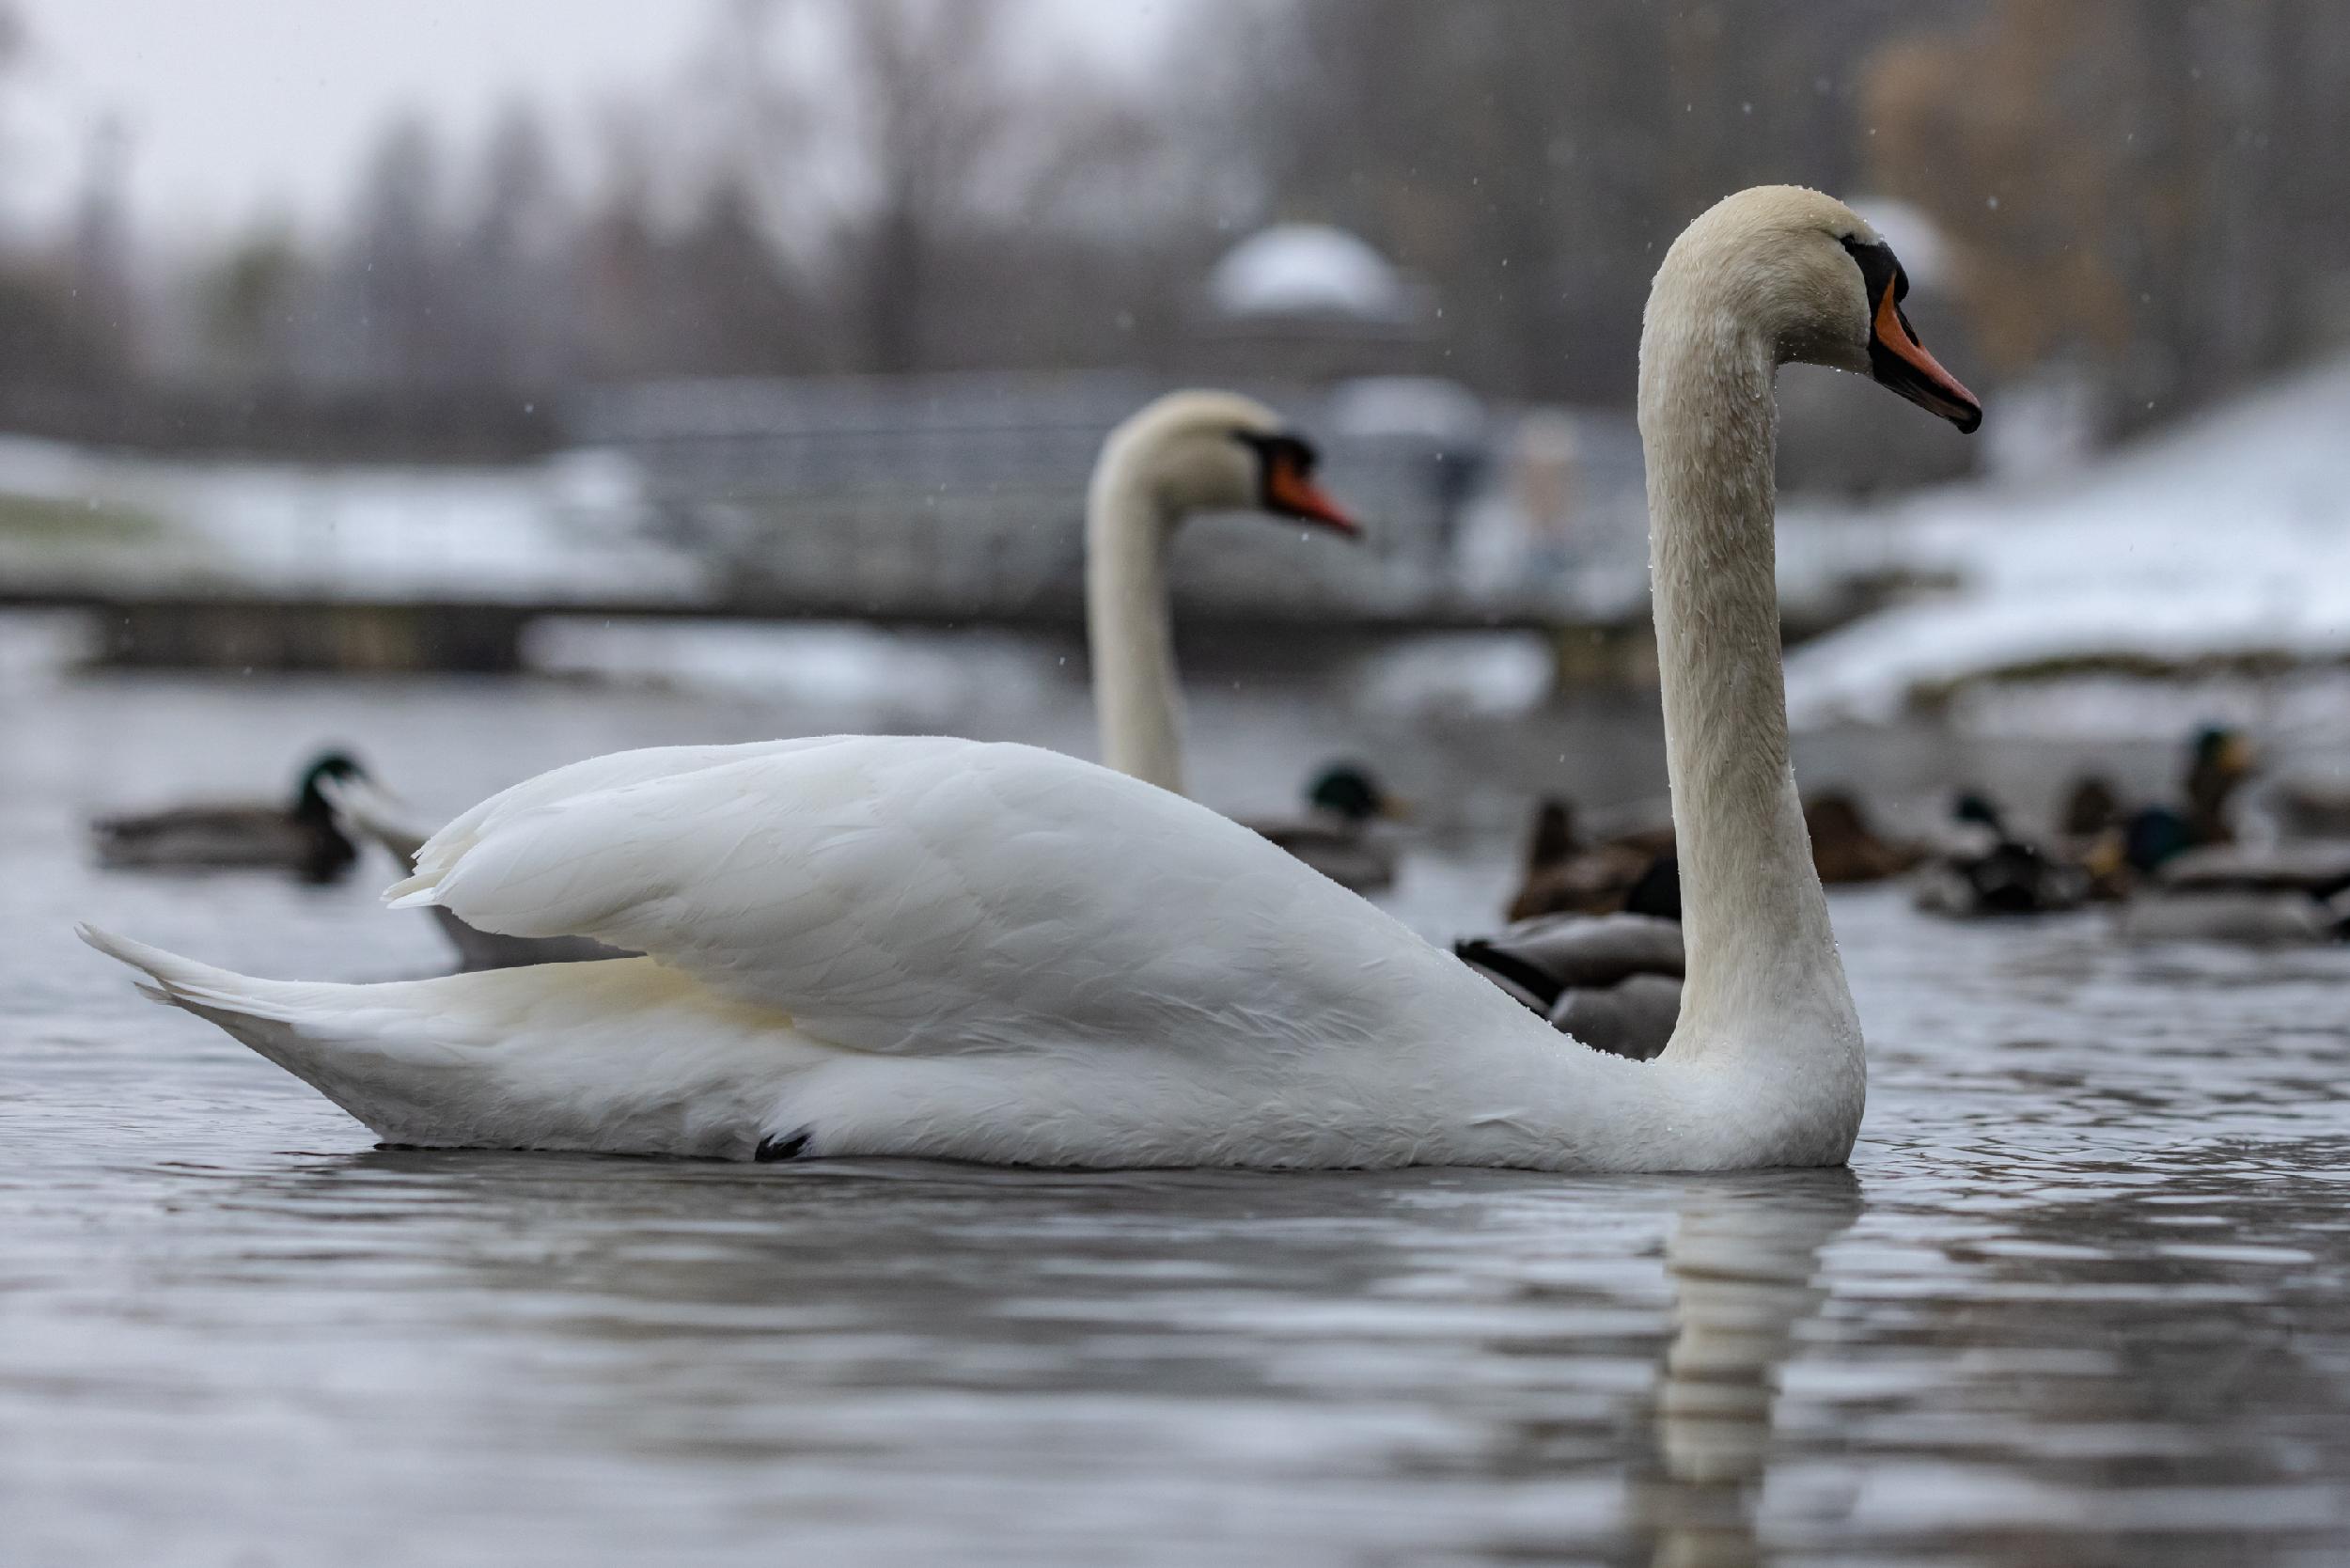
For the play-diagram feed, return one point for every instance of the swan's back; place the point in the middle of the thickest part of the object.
(927, 895)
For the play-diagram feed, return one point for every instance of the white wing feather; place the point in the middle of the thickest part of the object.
(926, 895)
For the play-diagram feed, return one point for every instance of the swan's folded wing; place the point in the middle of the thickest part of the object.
(916, 894)
(613, 771)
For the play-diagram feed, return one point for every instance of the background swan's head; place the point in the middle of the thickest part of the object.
(1218, 451)
(1820, 285)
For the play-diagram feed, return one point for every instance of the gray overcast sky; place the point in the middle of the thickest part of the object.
(238, 107)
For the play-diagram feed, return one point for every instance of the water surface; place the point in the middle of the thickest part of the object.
(2081, 1296)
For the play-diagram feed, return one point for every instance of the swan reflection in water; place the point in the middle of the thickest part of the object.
(1744, 1262)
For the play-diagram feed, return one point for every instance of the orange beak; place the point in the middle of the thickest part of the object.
(1291, 492)
(1902, 363)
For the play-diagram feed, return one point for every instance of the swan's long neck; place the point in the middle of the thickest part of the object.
(1763, 974)
(1136, 699)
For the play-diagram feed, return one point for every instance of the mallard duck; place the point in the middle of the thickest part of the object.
(2314, 807)
(2195, 883)
(2219, 761)
(1565, 875)
(2250, 917)
(1988, 871)
(301, 837)
(2093, 835)
(1340, 834)
(2287, 894)
(1612, 982)
(2091, 806)
(1846, 847)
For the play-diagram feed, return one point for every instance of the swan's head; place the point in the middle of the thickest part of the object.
(1822, 286)
(1217, 451)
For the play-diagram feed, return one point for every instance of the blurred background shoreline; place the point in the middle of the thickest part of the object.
(794, 310)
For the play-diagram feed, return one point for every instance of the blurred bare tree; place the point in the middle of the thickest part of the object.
(1532, 159)
(969, 204)
(247, 300)
(2136, 186)
(393, 272)
(66, 312)
(509, 267)
(927, 111)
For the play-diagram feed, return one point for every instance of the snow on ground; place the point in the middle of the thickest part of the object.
(861, 669)
(561, 526)
(1490, 674)
(1309, 270)
(2226, 539)
(2306, 710)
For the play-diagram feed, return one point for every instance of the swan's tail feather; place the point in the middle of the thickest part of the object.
(416, 892)
(620, 1055)
(183, 981)
(370, 1071)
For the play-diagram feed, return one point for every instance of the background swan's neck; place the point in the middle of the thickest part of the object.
(1763, 968)
(1136, 699)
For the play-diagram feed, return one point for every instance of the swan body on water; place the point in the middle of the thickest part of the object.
(944, 949)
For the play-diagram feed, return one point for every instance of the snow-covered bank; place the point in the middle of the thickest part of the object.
(568, 525)
(2228, 539)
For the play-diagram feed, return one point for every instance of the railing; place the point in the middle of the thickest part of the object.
(969, 491)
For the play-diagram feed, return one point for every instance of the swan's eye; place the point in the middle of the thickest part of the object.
(1896, 357)
(1280, 450)
(1285, 469)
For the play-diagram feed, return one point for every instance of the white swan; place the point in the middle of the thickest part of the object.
(1191, 452)
(935, 948)
(1187, 452)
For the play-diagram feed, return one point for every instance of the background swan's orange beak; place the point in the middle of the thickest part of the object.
(1294, 493)
(1902, 363)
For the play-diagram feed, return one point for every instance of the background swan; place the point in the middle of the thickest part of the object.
(933, 947)
(1185, 453)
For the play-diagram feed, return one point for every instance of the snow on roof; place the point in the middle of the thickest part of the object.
(1300, 269)
(1913, 235)
(2226, 538)
(1429, 407)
